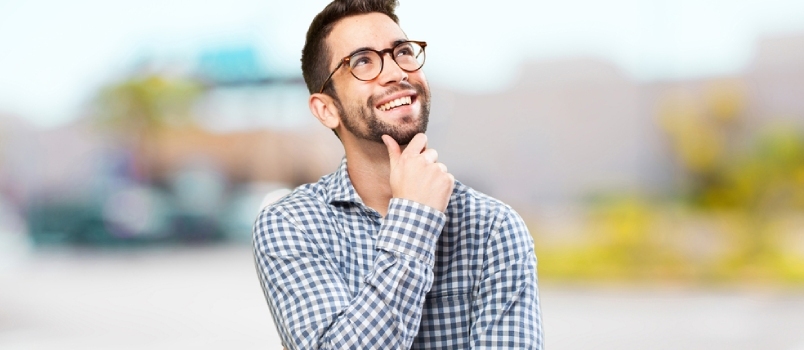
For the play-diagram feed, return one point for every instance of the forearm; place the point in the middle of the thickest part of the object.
(387, 311)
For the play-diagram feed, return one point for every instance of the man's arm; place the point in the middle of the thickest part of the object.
(310, 301)
(307, 293)
(506, 306)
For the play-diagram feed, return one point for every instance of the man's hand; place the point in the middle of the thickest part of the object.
(416, 174)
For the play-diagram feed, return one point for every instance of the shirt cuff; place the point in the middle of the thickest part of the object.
(411, 228)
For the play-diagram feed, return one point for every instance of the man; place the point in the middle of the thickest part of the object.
(389, 251)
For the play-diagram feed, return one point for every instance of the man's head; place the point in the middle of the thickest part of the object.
(359, 108)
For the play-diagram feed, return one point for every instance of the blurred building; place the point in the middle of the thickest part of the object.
(566, 130)
(569, 129)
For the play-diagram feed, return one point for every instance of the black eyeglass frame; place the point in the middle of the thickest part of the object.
(381, 53)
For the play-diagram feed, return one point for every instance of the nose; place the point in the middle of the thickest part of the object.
(391, 72)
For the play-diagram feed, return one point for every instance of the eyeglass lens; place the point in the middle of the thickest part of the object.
(367, 65)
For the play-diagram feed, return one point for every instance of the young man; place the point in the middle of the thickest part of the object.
(389, 251)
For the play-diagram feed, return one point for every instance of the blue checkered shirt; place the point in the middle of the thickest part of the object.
(337, 275)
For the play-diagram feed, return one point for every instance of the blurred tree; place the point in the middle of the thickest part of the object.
(759, 180)
(703, 134)
(136, 108)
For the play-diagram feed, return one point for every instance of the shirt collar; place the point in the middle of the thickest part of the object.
(341, 188)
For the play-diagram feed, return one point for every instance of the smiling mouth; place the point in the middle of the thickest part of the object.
(402, 101)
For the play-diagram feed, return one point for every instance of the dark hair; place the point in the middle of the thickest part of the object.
(315, 54)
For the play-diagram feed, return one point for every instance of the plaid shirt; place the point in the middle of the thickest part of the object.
(337, 275)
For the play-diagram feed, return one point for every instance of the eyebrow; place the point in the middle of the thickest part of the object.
(364, 48)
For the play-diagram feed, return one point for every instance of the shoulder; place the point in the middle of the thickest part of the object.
(468, 203)
(306, 204)
(303, 201)
(294, 223)
(500, 229)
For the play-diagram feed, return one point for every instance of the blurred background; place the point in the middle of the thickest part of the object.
(654, 148)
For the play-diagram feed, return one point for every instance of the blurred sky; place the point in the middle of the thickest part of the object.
(55, 54)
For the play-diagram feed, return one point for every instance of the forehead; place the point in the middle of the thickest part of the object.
(372, 30)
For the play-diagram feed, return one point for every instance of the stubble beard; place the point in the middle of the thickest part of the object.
(375, 128)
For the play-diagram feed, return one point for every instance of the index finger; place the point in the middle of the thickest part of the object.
(393, 148)
(417, 145)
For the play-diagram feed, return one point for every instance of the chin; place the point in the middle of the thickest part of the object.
(403, 137)
(405, 140)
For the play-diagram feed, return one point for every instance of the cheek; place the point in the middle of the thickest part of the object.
(357, 93)
(418, 76)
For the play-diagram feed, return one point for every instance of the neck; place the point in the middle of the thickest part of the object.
(369, 170)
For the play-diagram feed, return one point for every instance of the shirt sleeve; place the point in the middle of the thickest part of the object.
(311, 304)
(506, 302)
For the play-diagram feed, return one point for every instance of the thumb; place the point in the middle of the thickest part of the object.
(393, 148)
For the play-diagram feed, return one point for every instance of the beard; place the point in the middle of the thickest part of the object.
(375, 128)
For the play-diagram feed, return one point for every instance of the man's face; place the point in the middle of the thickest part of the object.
(364, 105)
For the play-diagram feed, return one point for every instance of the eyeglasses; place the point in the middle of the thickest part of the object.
(367, 64)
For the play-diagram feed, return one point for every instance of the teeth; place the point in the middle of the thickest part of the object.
(396, 103)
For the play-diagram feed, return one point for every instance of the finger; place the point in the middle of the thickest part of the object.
(416, 145)
(443, 167)
(431, 155)
(393, 148)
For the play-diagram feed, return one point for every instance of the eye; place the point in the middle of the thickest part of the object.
(362, 59)
(404, 50)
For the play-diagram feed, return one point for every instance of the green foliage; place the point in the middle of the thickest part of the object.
(767, 177)
(147, 102)
(736, 215)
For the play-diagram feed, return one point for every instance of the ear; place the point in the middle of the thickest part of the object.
(323, 108)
